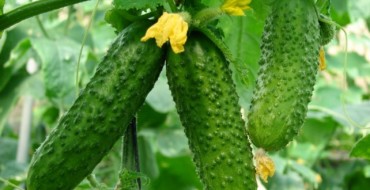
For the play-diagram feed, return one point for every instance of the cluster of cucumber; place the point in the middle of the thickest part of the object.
(205, 97)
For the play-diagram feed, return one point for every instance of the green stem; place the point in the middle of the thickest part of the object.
(219, 43)
(68, 22)
(10, 184)
(92, 180)
(130, 152)
(83, 44)
(207, 15)
(32, 9)
(42, 28)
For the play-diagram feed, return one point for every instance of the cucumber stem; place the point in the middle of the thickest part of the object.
(207, 15)
(130, 152)
(33, 9)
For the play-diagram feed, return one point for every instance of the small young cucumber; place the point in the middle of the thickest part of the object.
(327, 31)
(206, 100)
(287, 74)
(100, 114)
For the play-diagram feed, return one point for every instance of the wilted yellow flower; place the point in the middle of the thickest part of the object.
(265, 166)
(235, 7)
(170, 27)
(322, 63)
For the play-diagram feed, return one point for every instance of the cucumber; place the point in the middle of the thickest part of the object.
(206, 100)
(287, 74)
(101, 113)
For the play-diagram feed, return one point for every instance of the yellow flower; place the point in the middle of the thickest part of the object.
(322, 63)
(265, 166)
(170, 27)
(235, 7)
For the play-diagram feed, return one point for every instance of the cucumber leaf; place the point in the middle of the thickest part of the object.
(243, 37)
(59, 58)
(212, 3)
(10, 94)
(324, 6)
(17, 59)
(362, 148)
(137, 4)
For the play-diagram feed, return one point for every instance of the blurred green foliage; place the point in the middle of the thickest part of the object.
(319, 158)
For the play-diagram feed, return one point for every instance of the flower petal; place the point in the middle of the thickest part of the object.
(265, 166)
(170, 27)
(235, 7)
(322, 65)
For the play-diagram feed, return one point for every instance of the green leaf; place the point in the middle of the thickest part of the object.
(356, 181)
(243, 37)
(289, 181)
(358, 113)
(147, 117)
(13, 37)
(50, 115)
(357, 65)
(312, 140)
(17, 60)
(305, 172)
(324, 6)
(13, 169)
(367, 171)
(2, 3)
(19, 56)
(354, 114)
(10, 94)
(339, 12)
(280, 163)
(327, 96)
(137, 4)
(362, 148)
(9, 168)
(117, 21)
(176, 173)
(172, 142)
(8, 149)
(59, 58)
(212, 3)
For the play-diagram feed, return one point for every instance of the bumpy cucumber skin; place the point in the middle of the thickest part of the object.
(287, 74)
(100, 114)
(206, 100)
(327, 32)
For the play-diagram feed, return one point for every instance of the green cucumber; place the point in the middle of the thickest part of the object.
(287, 74)
(101, 113)
(206, 100)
